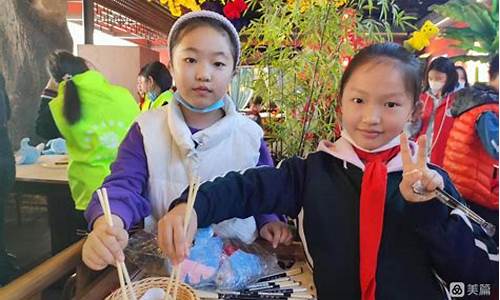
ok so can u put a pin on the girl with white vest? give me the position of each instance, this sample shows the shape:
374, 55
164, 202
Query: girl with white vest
200, 133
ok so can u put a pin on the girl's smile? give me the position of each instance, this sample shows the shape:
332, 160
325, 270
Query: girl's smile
375, 104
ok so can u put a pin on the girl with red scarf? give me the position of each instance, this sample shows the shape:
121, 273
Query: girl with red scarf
372, 226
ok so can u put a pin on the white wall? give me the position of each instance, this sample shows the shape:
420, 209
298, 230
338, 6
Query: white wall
120, 64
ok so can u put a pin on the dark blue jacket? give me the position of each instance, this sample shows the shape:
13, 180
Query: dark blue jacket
419, 241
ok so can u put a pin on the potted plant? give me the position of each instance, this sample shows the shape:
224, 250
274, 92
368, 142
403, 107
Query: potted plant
299, 50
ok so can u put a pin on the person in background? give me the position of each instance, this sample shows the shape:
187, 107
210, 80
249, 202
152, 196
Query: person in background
199, 133
7, 177
157, 83
436, 100
93, 116
255, 109
45, 126
463, 82
373, 226
141, 90
471, 154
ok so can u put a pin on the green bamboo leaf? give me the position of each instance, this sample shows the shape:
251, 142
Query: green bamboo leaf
451, 10
494, 45
481, 18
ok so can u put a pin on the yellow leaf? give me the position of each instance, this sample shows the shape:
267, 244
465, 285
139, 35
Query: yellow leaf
339, 3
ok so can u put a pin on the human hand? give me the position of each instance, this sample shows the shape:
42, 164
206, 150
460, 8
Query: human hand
52, 84
276, 232
419, 182
172, 239
104, 244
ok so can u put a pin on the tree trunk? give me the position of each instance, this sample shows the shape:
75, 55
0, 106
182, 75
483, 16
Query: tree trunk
29, 31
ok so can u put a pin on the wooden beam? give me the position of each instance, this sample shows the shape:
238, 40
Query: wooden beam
88, 21
42, 276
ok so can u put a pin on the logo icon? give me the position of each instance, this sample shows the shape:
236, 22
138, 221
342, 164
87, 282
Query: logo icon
457, 289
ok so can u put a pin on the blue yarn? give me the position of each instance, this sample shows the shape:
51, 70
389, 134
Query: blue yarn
208, 252
203, 234
238, 270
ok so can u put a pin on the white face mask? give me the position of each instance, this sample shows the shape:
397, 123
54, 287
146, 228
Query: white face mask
436, 86
461, 84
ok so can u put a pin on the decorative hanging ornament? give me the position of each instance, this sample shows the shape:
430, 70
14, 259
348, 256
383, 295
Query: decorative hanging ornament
306, 4
234, 9
421, 38
174, 6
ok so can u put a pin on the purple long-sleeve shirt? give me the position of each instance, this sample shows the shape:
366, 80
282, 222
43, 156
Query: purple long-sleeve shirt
127, 183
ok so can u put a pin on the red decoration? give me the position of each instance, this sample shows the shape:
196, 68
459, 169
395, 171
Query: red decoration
229, 249
241, 5
233, 9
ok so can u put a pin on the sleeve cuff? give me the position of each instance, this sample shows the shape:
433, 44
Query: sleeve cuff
176, 202
262, 220
49, 94
119, 209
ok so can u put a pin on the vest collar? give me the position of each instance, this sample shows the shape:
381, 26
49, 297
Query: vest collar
205, 138
343, 149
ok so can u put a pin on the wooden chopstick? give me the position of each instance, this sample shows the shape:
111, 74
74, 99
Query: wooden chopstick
120, 266
176, 271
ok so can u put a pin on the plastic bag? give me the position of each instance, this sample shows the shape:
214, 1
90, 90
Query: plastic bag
227, 264
55, 146
28, 154
213, 262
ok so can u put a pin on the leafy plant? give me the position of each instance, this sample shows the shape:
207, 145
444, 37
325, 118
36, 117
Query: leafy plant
299, 52
481, 33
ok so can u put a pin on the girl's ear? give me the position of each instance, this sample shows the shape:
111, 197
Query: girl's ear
170, 68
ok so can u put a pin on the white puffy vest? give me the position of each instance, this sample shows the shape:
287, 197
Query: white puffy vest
173, 154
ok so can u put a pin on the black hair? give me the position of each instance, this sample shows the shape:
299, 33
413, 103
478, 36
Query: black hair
59, 64
192, 24
408, 64
465, 75
160, 74
446, 66
493, 70
257, 100
143, 70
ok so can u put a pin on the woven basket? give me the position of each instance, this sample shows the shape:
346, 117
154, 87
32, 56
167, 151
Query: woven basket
184, 292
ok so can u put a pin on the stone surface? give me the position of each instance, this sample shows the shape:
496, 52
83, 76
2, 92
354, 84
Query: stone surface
29, 31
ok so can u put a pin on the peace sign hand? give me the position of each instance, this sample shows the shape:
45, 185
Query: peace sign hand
419, 182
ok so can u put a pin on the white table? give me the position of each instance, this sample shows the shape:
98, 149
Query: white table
44, 171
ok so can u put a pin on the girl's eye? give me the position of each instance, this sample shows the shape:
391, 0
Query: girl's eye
357, 100
391, 104
219, 64
189, 60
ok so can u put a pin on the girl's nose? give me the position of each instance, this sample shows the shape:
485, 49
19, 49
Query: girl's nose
203, 73
371, 115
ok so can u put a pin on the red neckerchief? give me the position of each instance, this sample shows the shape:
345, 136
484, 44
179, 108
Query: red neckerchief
371, 215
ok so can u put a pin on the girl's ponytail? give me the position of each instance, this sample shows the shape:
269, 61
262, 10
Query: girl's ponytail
71, 105
62, 66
